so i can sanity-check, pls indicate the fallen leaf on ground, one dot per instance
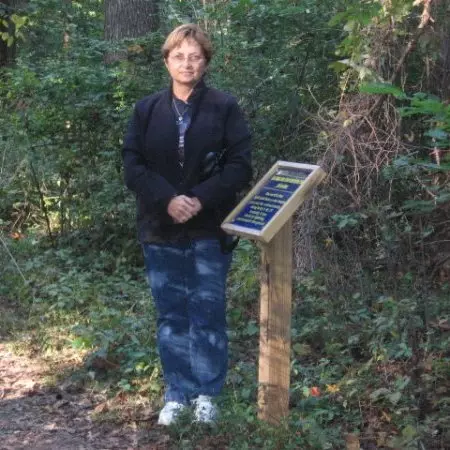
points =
(101, 408)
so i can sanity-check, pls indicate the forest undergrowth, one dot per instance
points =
(364, 367)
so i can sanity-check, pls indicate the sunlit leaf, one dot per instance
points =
(382, 88)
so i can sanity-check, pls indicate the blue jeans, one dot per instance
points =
(188, 283)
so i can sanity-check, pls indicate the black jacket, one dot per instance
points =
(153, 173)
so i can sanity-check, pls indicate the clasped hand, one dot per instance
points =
(182, 208)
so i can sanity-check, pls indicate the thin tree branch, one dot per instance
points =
(13, 260)
(425, 19)
(42, 200)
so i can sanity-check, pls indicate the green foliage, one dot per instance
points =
(273, 55)
(13, 24)
(382, 88)
(112, 319)
(435, 114)
(359, 350)
(364, 24)
(428, 110)
(66, 126)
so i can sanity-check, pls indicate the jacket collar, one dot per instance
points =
(194, 99)
(196, 94)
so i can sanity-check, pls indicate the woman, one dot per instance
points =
(186, 155)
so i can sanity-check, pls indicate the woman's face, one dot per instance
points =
(186, 63)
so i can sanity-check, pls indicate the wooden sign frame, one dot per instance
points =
(281, 211)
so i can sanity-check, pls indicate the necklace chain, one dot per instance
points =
(180, 116)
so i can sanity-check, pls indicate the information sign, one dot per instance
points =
(273, 200)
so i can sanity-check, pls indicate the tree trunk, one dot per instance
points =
(128, 19)
(206, 21)
(67, 5)
(444, 56)
(437, 59)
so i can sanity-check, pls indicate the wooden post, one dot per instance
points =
(265, 214)
(275, 326)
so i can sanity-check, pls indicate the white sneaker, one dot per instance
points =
(170, 413)
(205, 411)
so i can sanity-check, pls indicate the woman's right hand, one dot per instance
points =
(182, 208)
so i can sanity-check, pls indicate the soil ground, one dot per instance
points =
(37, 414)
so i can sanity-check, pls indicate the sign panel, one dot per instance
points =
(273, 200)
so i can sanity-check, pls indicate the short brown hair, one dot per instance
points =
(188, 31)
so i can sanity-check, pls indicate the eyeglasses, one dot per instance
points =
(180, 59)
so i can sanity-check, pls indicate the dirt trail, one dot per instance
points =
(62, 417)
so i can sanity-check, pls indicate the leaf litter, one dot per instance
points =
(38, 416)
